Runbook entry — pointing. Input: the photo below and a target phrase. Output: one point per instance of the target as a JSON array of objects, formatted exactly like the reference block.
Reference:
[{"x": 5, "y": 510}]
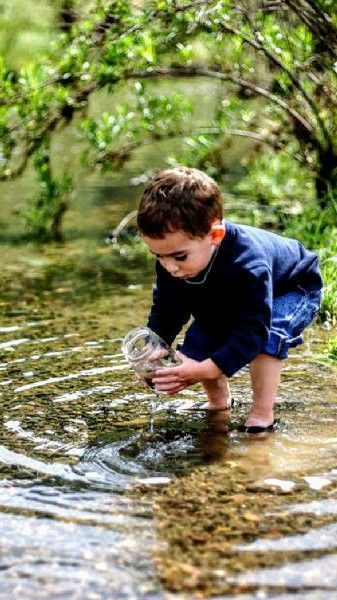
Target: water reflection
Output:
[{"x": 74, "y": 560}]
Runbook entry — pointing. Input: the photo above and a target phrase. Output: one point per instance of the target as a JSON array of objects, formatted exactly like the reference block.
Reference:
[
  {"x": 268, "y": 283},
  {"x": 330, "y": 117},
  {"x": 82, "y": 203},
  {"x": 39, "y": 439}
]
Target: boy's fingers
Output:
[
  {"x": 167, "y": 386},
  {"x": 169, "y": 389},
  {"x": 168, "y": 371},
  {"x": 165, "y": 380}
]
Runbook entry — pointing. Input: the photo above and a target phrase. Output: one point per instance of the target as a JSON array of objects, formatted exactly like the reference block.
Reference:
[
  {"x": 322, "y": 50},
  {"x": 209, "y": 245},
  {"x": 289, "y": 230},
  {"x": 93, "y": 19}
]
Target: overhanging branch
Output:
[
  {"x": 258, "y": 45},
  {"x": 197, "y": 71},
  {"x": 318, "y": 22},
  {"x": 120, "y": 155}
]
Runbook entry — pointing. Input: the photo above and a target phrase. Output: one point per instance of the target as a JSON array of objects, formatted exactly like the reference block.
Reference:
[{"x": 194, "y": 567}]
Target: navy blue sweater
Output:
[{"x": 234, "y": 304}]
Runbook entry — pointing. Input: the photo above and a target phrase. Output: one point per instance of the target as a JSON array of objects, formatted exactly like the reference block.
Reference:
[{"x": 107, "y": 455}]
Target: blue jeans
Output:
[{"x": 291, "y": 314}]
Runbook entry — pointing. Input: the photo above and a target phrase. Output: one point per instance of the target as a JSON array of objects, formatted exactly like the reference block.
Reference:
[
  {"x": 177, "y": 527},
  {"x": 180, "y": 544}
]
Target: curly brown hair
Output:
[{"x": 181, "y": 198}]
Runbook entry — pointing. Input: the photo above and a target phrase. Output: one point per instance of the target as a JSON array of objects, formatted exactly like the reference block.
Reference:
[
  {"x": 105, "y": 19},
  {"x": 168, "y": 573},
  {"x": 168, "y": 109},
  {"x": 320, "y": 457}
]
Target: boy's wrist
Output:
[{"x": 210, "y": 370}]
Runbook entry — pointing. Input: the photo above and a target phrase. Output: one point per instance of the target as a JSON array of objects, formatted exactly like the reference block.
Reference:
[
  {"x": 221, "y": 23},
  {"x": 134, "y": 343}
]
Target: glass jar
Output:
[{"x": 146, "y": 352}]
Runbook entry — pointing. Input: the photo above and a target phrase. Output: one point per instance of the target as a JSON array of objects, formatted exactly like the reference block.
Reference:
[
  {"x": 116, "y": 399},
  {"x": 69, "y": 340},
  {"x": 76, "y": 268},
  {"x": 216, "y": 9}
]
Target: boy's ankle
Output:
[
  {"x": 222, "y": 404},
  {"x": 260, "y": 419}
]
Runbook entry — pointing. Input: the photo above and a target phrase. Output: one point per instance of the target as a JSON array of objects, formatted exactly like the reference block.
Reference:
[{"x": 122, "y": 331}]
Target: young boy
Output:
[{"x": 251, "y": 293}]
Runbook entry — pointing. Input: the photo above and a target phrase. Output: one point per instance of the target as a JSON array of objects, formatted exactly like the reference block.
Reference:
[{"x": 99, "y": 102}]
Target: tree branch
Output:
[
  {"x": 318, "y": 22},
  {"x": 256, "y": 43},
  {"x": 100, "y": 29},
  {"x": 47, "y": 127},
  {"x": 196, "y": 71},
  {"x": 81, "y": 94},
  {"x": 120, "y": 155}
]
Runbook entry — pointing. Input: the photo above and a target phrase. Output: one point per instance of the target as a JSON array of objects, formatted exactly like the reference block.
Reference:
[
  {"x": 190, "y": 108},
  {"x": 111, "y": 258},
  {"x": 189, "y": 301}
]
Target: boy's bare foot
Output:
[
  {"x": 216, "y": 406},
  {"x": 259, "y": 421},
  {"x": 218, "y": 393}
]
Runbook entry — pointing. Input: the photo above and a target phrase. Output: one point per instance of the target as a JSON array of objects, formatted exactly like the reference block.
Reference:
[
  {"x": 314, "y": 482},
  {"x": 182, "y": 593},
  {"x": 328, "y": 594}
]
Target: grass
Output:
[
  {"x": 331, "y": 350},
  {"x": 328, "y": 259}
]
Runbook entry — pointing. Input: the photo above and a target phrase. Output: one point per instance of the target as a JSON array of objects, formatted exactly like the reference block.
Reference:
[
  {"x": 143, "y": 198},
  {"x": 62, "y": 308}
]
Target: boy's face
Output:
[{"x": 183, "y": 257}]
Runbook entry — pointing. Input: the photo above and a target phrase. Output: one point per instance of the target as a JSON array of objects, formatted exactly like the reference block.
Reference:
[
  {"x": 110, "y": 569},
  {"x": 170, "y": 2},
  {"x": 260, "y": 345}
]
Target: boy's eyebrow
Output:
[{"x": 176, "y": 253}]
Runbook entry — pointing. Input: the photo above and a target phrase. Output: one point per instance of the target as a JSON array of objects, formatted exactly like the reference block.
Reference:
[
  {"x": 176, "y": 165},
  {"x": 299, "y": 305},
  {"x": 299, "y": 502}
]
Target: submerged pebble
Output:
[
  {"x": 286, "y": 486},
  {"x": 317, "y": 483}
]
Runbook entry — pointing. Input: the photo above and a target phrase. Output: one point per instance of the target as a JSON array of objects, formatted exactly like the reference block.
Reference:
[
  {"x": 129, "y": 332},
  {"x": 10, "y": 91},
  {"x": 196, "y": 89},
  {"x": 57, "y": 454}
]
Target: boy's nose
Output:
[{"x": 171, "y": 266}]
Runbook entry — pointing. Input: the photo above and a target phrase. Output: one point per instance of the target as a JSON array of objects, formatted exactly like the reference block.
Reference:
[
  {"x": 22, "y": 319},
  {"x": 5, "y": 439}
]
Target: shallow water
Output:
[{"x": 96, "y": 505}]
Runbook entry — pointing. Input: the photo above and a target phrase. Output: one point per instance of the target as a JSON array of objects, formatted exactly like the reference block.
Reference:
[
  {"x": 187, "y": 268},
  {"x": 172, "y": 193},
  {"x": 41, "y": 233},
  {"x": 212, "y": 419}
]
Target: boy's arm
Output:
[
  {"x": 175, "y": 379},
  {"x": 169, "y": 311},
  {"x": 250, "y": 330}
]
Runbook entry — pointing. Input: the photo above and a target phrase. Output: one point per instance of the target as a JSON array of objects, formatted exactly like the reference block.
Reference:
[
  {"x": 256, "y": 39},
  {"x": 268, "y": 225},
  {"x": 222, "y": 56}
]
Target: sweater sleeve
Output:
[
  {"x": 169, "y": 311},
  {"x": 251, "y": 321}
]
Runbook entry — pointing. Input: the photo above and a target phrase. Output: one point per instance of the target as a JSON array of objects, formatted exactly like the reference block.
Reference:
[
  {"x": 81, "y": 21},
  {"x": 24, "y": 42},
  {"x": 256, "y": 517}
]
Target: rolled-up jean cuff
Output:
[{"x": 278, "y": 345}]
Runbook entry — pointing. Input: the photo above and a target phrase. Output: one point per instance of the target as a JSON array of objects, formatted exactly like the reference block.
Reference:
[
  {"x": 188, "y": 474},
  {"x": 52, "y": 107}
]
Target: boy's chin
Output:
[{"x": 190, "y": 275}]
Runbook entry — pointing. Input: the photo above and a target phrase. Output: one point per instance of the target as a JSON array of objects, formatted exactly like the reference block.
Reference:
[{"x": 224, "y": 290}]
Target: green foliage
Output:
[
  {"x": 44, "y": 213},
  {"x": 113, "y": 136},
  {"x": 311, "y": 227},
  {"x": 328, "y": 259},
  {"x": 208, "y": 149},
  {"x": 203, "y": 152},
  {"x": 277, "y": 177},
  {"x": 276, "y": 68},
  {"x": 315, "y": 229},
  {"x": 331, "y": 351}
]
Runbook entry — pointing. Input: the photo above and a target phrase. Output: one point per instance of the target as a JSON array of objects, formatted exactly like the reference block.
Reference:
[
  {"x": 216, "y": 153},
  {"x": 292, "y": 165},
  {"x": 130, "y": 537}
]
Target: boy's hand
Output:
[
  {"x": 175, "y": 379},
  {"x": 154, "y": 356}
]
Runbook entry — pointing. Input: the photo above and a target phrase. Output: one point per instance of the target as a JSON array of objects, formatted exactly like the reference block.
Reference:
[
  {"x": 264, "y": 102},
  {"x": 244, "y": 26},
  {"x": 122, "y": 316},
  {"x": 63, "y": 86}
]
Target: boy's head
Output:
[
  {"x": 179, "y": 199},
  {"x": 178, "y": 218}
]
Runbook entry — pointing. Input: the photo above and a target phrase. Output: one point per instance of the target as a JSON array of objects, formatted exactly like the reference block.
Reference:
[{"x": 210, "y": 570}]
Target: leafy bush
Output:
[
  {"x": 274, "y": 177},
  {"x": 331, "y": 350},
  {"x": 328, "y": 258}
]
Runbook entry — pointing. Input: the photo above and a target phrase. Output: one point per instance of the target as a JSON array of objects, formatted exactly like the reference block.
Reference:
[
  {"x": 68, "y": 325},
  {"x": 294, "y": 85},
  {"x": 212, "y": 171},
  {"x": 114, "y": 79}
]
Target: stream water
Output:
[{"x": 95, "y": 505}]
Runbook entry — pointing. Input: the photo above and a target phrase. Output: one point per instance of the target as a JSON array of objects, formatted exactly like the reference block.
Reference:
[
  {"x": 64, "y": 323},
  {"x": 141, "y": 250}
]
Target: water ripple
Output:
[
  {"x": 84, "y": 373},
  {"x": 55, "y": 469},
  {"x": 99, "y": 389},
  {"x": 11, "y": 343},
  {"x": 320, "y": 573},
  {"x": 323, "y": 538}
]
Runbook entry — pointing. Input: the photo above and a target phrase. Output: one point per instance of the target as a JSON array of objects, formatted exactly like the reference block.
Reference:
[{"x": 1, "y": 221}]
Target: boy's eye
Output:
[{"x": 181, "y": 258}]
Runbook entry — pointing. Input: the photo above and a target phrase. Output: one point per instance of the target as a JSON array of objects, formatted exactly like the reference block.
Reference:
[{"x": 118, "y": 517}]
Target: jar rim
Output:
[{"x": 130, "y": 340}]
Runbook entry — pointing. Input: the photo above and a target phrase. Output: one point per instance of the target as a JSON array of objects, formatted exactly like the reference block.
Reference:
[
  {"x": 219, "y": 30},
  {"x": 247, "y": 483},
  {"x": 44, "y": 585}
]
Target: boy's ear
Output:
[{"x": 217, "y": 232}]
